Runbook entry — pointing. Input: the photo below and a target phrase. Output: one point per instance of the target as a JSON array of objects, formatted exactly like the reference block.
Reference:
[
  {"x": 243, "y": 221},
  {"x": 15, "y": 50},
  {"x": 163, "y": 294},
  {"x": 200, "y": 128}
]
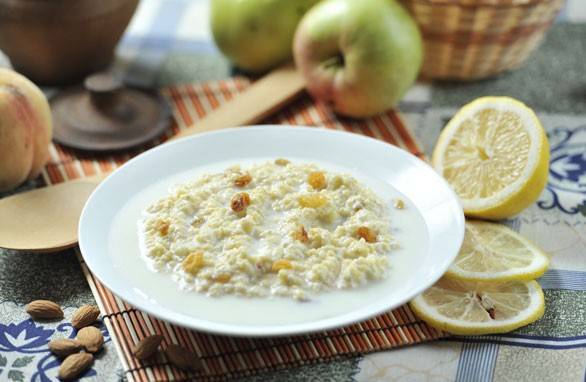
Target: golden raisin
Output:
[
  {"x": 223, "y": 278},
  {"x": 281, "y": 264},
  {"x": 163, "y": 227},
  {"x": 317, "y": 180},
  {"x": 300, "y": 234},
  {"x": 312, "y": 201},
  {"x": 399, "y": 204},
  {"x": 193, "y": 262},
  {"x": 281, "y": 162},
  {"x": 243, "y": 180},
  {"x": 367, "y": 234},
  {"x": 240, "y": 202}
]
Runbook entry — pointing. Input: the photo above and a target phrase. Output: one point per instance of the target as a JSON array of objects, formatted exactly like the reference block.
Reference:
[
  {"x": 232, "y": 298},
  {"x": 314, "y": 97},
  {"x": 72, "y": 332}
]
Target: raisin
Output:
[
  {"x": 367, "y": 234},
  {"x": 193, "y": 262},
  {"x": 301, "y": 235},
  {"x": 399, "y": 204},
  {"x": 281, "y": 162},
  {"x": 243, "y": 180},
  {"x": 317, "y": 180},
  {"x": 223, "y": 278},
  {"x": 312, "y": 201},
  {"x": 163, "y": 227},
  {"x": 240, "y": 202},
  {"x": 281, "y": 264}
]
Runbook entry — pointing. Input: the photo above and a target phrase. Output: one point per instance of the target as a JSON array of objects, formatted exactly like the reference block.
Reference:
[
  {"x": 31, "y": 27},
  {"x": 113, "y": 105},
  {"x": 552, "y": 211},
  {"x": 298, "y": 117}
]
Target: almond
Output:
[
  {"x": 44, "y": 309},
  {"x": 64, "y": 347},
  {"x": 147, "y": 346},
  {"x": 182, "y": 358},
  {"x": 85, "y": 316},
  {"x": 75, "y": 365},
  {"x": 90, "y": 338}
]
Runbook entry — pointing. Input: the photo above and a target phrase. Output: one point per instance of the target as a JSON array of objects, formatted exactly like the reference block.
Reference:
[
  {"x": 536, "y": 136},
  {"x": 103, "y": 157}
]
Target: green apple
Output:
[
  {"x": 256, "y": 35},
  {"x": 360, "y": 56}
]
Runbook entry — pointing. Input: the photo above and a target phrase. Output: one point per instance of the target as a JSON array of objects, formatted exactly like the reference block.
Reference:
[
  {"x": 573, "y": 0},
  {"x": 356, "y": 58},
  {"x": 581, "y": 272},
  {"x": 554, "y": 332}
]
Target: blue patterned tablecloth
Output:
[{"x": 169, "y": 42}]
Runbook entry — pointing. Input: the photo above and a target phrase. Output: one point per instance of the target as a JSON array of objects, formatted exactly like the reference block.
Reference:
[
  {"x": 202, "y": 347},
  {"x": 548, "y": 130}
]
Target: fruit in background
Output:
[
  {"x": 256, "y": 34},
  {"x": 25, "y": 129},
  {"x": 495, "y": 155},
  {"x": 360, "y": 56}
]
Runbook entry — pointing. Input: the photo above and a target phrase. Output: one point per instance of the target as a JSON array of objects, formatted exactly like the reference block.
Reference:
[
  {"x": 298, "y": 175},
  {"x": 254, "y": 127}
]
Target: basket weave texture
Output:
[{"x": 473, "y": 39}]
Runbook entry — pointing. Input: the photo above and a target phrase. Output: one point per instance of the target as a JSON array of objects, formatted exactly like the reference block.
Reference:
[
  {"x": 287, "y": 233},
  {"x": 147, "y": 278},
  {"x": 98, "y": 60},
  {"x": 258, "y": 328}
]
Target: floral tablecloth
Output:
[{"x": 169, "y": 42}]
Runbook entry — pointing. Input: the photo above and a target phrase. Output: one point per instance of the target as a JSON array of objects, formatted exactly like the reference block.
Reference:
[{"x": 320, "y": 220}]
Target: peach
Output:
[{"x": 25, "y": 129}]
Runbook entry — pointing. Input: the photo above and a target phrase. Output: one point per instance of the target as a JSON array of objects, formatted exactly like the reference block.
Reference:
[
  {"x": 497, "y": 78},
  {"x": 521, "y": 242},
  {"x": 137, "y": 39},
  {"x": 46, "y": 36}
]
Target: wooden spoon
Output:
[{"x": 46, "y": 219}]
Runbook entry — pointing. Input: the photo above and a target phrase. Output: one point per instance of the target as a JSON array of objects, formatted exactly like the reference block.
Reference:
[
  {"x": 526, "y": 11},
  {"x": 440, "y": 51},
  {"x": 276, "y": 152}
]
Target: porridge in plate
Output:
[{"x": 271, "y": 229}]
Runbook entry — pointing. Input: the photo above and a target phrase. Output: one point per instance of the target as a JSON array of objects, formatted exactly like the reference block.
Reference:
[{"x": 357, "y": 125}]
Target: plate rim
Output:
[{"x": 261, "y": 330}]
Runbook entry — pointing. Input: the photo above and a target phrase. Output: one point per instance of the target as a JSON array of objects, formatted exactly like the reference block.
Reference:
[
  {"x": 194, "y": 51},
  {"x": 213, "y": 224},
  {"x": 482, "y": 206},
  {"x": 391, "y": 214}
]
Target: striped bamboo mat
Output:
[{"x": 229, "y": 357}]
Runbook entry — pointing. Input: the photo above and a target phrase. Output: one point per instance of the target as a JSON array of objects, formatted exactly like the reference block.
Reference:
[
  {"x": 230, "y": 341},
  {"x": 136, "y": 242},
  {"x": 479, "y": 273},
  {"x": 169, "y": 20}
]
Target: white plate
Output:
[{"x": 430, "y": 230}]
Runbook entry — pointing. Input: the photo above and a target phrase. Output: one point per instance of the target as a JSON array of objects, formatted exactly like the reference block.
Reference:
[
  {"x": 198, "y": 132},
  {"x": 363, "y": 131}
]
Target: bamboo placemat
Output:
[{"x": 229, "y": 357}]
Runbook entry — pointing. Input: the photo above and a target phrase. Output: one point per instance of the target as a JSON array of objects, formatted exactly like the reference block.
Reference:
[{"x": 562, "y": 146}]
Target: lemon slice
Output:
[
  {"x": 495, "y": 155},
  {"x": 474, "y": 308},
  {"x": 493, "y": 252}
]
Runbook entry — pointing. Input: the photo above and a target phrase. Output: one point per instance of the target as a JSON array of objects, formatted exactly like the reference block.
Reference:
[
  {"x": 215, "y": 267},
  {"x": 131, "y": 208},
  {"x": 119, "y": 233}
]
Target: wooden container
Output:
[
  {"x": 55, "y": 42},
  {"x": 473, "y": 39}
]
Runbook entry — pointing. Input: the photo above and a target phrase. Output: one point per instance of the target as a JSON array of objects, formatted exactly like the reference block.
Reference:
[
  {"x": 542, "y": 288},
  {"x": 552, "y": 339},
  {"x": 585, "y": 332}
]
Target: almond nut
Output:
[
  {"x": 64, "y": 347},
  {"x": 44, "y": 309},
  {"x": 182, "y": 358},
  {"x": 281, "y": 264},
  {"x": 147, "y": 347},
  {"x": 74, "y": 365},
  {"x": 90, "y": 338},
  {"x": 85, "y": 316}
]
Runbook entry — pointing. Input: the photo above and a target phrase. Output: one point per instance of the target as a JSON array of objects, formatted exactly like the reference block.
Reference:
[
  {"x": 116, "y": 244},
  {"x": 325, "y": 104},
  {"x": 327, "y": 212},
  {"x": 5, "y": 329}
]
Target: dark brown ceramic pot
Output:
[{"x": 55, "y": 42}]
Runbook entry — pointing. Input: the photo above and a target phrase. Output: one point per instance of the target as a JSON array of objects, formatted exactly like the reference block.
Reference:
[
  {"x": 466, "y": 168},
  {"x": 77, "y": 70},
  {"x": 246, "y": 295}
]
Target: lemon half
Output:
[
  {"x": 493, "y": 252},
  {"x": 474, "y": 308},
  {"x": 495, "y": 154}
]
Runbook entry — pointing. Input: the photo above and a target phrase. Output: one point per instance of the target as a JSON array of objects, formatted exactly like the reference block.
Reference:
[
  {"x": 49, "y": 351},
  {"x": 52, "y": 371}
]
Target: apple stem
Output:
[{"x": 335, "y": 62}]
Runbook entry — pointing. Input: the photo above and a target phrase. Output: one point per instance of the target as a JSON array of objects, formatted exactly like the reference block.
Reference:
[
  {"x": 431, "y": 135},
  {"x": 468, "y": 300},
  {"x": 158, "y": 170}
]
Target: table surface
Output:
[{"x": 169, "y": 42}]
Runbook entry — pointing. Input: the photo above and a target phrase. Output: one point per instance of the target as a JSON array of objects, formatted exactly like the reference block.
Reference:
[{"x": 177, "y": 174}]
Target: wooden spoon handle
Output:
[{"x": 257, "y": 102}]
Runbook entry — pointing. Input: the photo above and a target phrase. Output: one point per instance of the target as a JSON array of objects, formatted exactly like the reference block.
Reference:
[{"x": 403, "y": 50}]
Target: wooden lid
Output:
[{"x": 102, "y": 115}]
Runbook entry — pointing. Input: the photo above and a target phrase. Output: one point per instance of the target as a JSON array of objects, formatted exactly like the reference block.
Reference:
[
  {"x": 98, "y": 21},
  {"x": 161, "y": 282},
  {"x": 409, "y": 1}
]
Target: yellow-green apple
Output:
[
  {"x": 359, "y": 55},
  {"x": 256, "y": 35},
  {"x": 25, "y": 129}
]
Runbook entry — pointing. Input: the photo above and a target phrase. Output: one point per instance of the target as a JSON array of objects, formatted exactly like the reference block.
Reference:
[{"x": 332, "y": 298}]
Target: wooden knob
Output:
[{"x": 104, "y": 90}]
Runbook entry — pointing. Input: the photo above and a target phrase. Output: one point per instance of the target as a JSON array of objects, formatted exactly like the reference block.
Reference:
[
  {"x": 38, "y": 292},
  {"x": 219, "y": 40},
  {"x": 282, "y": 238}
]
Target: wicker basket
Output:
[{"x": 472, "y": 39}]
